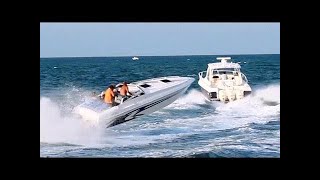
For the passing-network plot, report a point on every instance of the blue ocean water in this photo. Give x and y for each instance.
(189, 127)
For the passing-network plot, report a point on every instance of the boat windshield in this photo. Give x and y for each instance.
(222, 71)
(226, 69)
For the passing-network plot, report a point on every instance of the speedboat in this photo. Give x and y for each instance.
(147, 96)
(135, 58)
(223, 81)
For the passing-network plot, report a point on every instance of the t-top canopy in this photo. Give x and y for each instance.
(224, 64)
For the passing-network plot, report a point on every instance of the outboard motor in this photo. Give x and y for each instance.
(222, 96)
(231, 95)
(239, 94)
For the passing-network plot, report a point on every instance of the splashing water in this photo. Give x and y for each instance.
(189, 101)
(216, 116)
(58, 128)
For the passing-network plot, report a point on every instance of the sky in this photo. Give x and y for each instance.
(157, 39)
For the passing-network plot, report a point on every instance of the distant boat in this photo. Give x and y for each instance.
(135, 58)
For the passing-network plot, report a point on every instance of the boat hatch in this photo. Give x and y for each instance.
(145, 85)
(165, 80)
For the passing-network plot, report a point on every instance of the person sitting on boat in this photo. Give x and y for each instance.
(124, 91)
(109, 96)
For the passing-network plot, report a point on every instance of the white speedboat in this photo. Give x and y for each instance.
(135, 58)
(224, 81)
(147, 96)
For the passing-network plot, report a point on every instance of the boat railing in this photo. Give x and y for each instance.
(120, 99)
(244, 78)
(139, 88)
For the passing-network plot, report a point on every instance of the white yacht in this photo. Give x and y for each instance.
(223, 81)
(135, 58)
(147, 96)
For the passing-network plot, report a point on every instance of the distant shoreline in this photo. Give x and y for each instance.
(150, 56)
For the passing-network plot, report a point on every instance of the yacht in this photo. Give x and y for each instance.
(223, 81)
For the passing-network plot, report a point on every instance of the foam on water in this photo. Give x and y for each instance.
(251, 109)
(224, 116)
(188, 101)
(58, 127)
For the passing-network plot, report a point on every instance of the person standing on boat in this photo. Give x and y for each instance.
(109, 96)
(124, 90)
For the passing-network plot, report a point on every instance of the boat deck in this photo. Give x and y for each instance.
(153, 85)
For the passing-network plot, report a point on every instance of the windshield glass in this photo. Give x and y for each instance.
(225, 69)
(222, 72)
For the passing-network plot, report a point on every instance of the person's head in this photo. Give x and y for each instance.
(124, 83)
(111, 86)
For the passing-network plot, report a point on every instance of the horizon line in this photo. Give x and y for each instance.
(160, 55)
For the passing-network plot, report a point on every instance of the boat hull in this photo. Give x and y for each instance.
(133, 108)
(223, 81)
(207, 96)
(225, 94)
(146, 109)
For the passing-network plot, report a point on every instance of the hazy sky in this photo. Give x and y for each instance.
(158, 39)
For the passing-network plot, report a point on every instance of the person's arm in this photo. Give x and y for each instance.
(129, 91)
(112, 93)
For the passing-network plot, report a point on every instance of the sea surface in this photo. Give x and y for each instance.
(190, 127)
